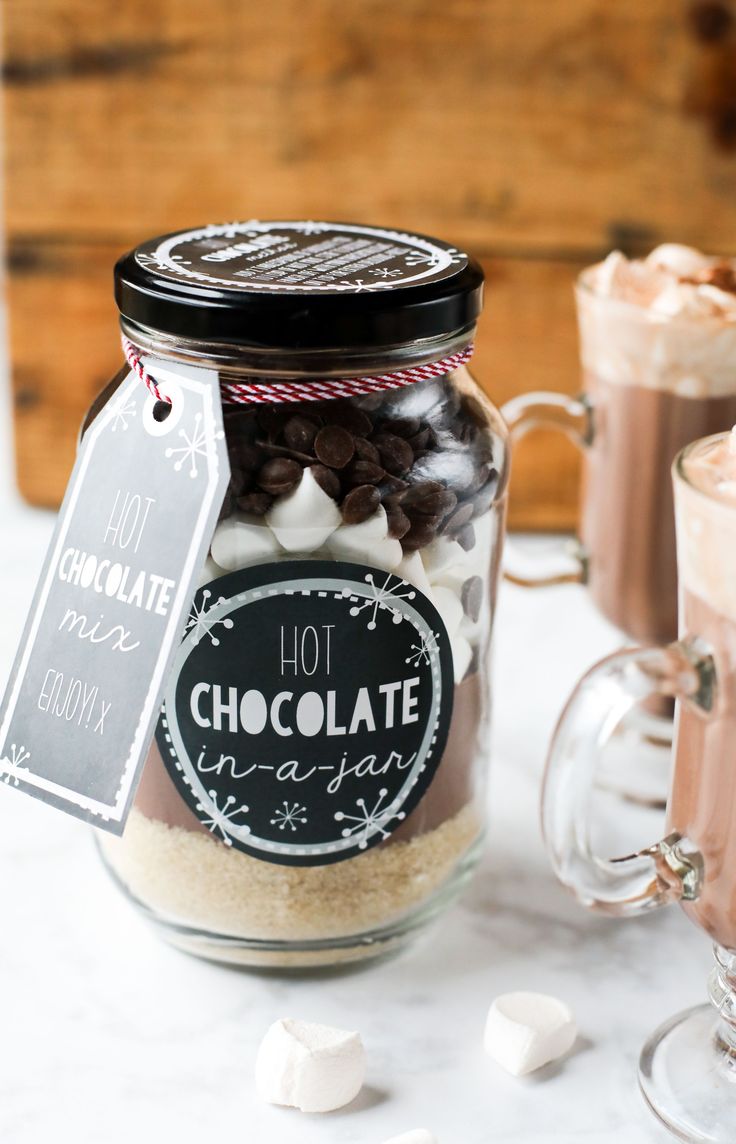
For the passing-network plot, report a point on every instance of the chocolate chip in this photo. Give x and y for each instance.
(471, 597)
(334, 446)
(421, 439)
(462, 515)
(240, 480)
(328, 481)
(364, 473)
(475, 410)
(271, 449)
(249, 456)
(256, 504)
(279, 475)
(397, 455)
(393, 486)
(227, 506)
(483, 500)
(422, 489)
(429, 498)
(466, 537)
(372, 401)
(360, 504)
(398, 522)
(403, 426)
(348, 417)
(420, 533)
(366, 451)
(272, 419)
(299, 433)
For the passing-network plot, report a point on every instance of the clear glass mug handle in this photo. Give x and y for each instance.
(670, 870)
(573, 416)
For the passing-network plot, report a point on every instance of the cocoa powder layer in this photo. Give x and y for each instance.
(451, 789)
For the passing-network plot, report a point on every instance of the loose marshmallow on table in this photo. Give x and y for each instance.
(242, 540)
(527, 1030)
(367, 542)
(303, 519)
(416, 1136)
(311, 1067)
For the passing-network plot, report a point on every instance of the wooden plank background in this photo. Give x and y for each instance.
(536, 134)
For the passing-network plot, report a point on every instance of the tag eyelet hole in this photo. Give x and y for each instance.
(161, 410)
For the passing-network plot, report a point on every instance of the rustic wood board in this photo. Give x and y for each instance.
(538, 135)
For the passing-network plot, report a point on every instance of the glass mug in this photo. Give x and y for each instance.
(651, 384)
(688, 1067)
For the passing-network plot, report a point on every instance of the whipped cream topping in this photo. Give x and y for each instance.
(667, 321)
(705, 507)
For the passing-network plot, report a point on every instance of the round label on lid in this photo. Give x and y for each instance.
(311, 257)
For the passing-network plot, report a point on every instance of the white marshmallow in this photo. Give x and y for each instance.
(416, 1136)
(210, 571)
(527, 1030)
(462, 653)
(311, 1067)
(609, 271)
(303, 519)
(367, 543)
(680, 298)
(680, 260)
(470, 629)
(243, 540)
(411, 569)
(441, 555)
(449, 607)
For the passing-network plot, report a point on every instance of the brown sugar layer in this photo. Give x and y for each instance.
(186, 876)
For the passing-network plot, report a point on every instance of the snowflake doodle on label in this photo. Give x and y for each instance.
(18, 756)
(201, 623)
(424, 650)
(358, 285)
(196, 444)
(309, 227)
(122, 412)
(218, 819)
(422, 258)
(289, 815)
(381, 598)
(369, 822)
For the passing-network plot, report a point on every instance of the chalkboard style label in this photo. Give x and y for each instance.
(129, 544)
(307, 709)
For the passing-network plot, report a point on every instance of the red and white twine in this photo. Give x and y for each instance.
(276, 392)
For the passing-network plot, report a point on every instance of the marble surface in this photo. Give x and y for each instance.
(106, 1035)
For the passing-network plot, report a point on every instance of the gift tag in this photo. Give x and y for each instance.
(113, 597)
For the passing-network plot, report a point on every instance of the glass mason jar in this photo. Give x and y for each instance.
(315, 790)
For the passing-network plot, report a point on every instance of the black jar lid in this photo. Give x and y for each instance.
(300, 285)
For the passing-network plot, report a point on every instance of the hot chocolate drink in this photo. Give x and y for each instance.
(658, 346)
(702, 805)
